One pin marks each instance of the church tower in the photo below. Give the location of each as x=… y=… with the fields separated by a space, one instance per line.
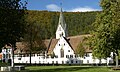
x=61 y=28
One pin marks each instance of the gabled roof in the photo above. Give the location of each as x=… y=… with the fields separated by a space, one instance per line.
x=73 y=42
x=50 y=44
x=7 y=46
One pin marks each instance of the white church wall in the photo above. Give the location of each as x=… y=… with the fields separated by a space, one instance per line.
x=62 y=44
x=60 y=32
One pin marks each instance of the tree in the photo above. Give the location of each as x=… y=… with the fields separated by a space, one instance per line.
x=82 y=47
x=33 y=38
x=12 y=25
x=81 y=50
x=105 y=39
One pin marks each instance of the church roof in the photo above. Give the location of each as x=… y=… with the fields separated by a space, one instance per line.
x=73 y=41
x=50 y=44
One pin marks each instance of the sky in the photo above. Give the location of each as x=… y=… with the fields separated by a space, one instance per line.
x=67 y=5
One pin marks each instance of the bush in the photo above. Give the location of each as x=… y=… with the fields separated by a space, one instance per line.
x=4 y=64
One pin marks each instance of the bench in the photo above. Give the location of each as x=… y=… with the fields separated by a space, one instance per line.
x=19 y=68
x=116 y=68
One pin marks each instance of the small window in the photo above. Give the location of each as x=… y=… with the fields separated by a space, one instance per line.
x=59 y=44
x=56 y=56
x=71 y=61
x=81 y=61
x=67 y=56
x=76 y=61
x=64 y=44
x=87 y=61
x=56 y=62
x=19 y=58
x=87 y=55
x=71 y=56
x=68 y=50
x=52 y=62
x=76 y=56
x=67 y=62
x=62 y=62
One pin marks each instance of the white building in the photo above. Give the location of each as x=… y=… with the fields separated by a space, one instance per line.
x=7 y=53
x=61 y=50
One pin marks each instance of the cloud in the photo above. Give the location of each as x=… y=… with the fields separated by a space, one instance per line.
x=54 y=7
x=83 y=9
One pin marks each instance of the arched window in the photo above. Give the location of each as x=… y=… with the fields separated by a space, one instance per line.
x=62 y=53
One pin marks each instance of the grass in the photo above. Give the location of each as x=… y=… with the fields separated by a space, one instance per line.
x=67 y=69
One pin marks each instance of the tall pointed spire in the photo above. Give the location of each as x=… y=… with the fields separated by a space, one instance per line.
x=61 y=29
x=62 y=21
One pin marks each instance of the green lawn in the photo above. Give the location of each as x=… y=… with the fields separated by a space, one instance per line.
x=67 y=69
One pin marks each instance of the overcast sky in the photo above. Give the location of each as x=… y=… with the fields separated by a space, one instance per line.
x=67 y=5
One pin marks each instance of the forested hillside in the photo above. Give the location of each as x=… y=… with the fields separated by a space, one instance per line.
x=77 y=22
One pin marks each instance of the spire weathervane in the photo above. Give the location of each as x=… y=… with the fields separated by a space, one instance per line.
x=61 y=6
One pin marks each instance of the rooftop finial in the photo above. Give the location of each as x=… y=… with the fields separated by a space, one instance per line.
x=61 y=6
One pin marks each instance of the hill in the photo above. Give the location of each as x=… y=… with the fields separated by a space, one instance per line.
x=77 y=22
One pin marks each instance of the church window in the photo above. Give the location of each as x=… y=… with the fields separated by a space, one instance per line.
x=68 y=50
x=3 y=55
x=62 y=62
x=71 y=61
x=67 y=56
x=8 y=50
x=67 y=62
x=76 y=61
x=87 y=55
x=56 y=56
x=71 y=56
x=56 y=62
x=62 y=52
x=52 y=62
x=87 y=61
x=81 y=61
x=76 y=56
x=62 y=33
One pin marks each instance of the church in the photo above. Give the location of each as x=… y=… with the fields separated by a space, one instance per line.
x=60 y=50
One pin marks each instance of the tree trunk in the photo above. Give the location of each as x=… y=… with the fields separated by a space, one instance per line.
x=12 y=64
x=30 y=57
x=117 y=60
x=100 y=61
